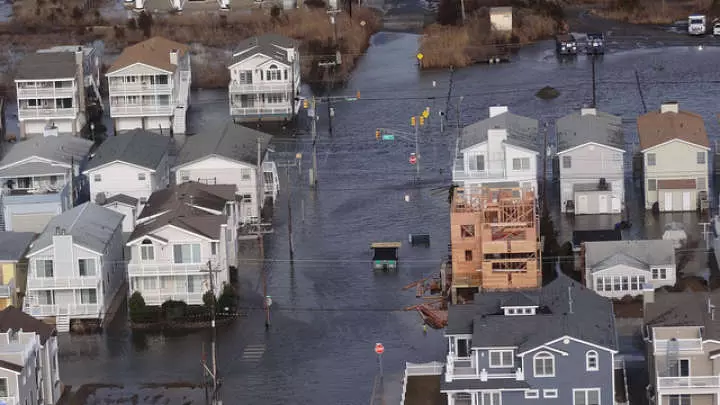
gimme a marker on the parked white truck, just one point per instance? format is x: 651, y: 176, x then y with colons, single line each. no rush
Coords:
x: 697, y: 24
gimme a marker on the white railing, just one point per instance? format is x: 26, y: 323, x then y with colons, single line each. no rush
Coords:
x: 157, y: 297
x: 118, y: 88
x: 70, y: 310
x: 43, y: 283
x: 459, y: 369
x: 141, y: 109
x: 9, y: 400
x: 461, y: 174
x: 619, y: 364
x: 683, y: 345
x: 169, y: 269
x: 260, y: 110
x: 30, y: 112
x: 46, y: 92
x: 689, y: 382
x: 265, y: 87
x: 433, y: 368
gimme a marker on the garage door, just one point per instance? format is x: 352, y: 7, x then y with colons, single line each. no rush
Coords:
x: 582, y: 205
x: 30, y: 222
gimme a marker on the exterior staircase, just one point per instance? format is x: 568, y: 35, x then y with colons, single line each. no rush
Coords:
x: 2, y: 214
x: 62, y: 323
x: 183, y: 103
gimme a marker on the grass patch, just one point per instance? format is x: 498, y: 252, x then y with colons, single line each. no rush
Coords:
x: 653, y: 12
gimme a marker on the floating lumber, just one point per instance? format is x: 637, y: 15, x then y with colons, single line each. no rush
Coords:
x: 386, y: 245
x: 414, y: 284
x: 420, y: 290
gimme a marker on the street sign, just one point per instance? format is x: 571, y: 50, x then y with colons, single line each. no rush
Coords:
x: 413, y: 159
x: 350, y: 98
x: 420, y: 56
x: 379, y: 348
x: 268, y: 301
x: 426, y: 113
x: 388, y: 137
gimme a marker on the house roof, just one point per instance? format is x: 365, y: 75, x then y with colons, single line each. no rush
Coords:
x: 154, y: 52
x: 676, y: 184
x: 655, y: 128
x: 60, y: 149
x: 522, y: 131
x: 424, y: 390
x: 6, y: 365
x: 579, y: 129
x: 121, y: 198
x: 686, y: 308
x: 595, y: 235
x: 636, y: 253
x: 12, y: 318
x: 46, y: 65
x: 271, y: 45
x: 137, y: 147
x: 591, y: 318
x: 90, y: 225
x: 13, y: 245
x: 229, y: 140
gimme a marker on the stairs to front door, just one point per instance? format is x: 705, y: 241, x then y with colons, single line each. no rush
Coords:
x: 62, y: 323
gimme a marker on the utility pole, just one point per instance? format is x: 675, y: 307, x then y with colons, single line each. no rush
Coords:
x: 213, y: 372
x: 706, y: 234
x: 290, y: 238
x: 544, y: 163
x: 462, y: 10
x: 259, y: 175
x: 594, y: 104
x: 417, y: 148
x: 330, y: 65
x: 313, y: 178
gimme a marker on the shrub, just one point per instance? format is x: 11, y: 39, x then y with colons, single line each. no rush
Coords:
x: 209, y: 300
x: 137, y: 307
x: 173, y: 310
x: 228, y: 299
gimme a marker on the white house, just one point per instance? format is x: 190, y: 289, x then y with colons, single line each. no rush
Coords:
x: 149, y: 86
x: 499, y: 149
x: 264, y: 79
x: 180, y: 231
x: 29, y: 372
x: 130, y: 166
x: 76, y: 266
x: 40, y: 180
x: 615, y: 269
x: 229, y: 154
x: 590, y: 160
x: 675, y: 149
x: 501, y: 18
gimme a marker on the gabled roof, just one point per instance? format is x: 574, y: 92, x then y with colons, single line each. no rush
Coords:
x: 522, y: 131
x: 137, y: 147
x: 59, y: 149
x: 153, y: 52
x: 271, y: 45
x: 122, y: 199
x: 579, y: 129
x: 12, y: 318
x: 229, y: 140
x: 591, y: 318
x: 686, y: 308
x: 90, y: 225
x: 655, y: 128
x: 13, y: 245
x: 636, y: 253
x: 46, y: 65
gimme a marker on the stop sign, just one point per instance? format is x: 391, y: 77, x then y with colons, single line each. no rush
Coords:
x: 379, y: 348
x: 413, y: 159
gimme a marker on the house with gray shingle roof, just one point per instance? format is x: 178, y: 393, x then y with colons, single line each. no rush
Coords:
x: 76, y: 266
x: 502, y: 148
x: 13, y: 246
x: 264, y: 79
x: 615, y: 269
x: 591, y: 167
x: 126, y: 169
x: 554, y: 344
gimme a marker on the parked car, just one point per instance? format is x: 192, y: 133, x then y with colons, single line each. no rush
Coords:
x: 697, y: 24
x: 565, y: 44
x: 596, y: 43
x: 716, y: 28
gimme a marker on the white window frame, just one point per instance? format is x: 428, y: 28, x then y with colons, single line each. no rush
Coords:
x: 701, y: 158
x: 592, y: 356
x: 184, y: 176
x: 567, y: 162
x: 44, y: 268
x: 652, y: 185
x: 89, y: 290
x: 545, y: 356
x: 501, y: 354
x: 97, y: 178
x: 92, y: 262
x: 146, y: 248
x: 245, y: 173
x: 700, y: 183
x: 550, y: 393
x: 651, y: 159
x: 587, y: 391
x: 193, y: 259
x: 141, y: 176
x: 532, y: 394
x: 523, y: 164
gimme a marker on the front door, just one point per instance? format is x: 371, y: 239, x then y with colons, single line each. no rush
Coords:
x: 582, y: 207
x: 616, y: 204
x: 602, y: 203
x: 686, y: 201
x: 668, y: 201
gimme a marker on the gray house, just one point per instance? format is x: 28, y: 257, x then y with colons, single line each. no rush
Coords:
x: 554, y: 345
x: 590, y: 160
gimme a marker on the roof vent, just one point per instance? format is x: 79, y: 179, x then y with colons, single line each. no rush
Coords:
x: 670, y: 106
x: 588, y: 111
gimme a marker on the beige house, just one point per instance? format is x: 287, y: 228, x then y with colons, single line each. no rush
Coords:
x: 682, y: 335
x: 501, y: 18
x: 675, y: 149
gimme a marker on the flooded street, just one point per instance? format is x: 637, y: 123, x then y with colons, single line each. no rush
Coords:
x: 329, y: 307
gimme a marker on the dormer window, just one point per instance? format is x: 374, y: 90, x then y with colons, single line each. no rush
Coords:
x: 514, y: 311
x: 273, y: 73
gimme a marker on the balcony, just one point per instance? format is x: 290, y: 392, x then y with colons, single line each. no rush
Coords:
x: 141, y: 110
x: 459, y: 369
x: 688, y: 385
x: 170, y: 269
x: 46, y: 113
x: 73, y: 310
x: 263, y: 87
x: 283, y: 109
x: 117, y: 89
x: 459, y: 174
x: 158, y: 297
x: 41, y: 92
x: 48, y: 283
x: 683, y: 346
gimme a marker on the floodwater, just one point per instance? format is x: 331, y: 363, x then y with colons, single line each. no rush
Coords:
x: 329, y: 309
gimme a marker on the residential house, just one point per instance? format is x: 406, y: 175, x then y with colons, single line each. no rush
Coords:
x: 264, y: 79
x: 228, y: 154
x: 553, y: 345
x: 76, y: 266
x: 29, y: 372
x: 591, y: 165
x: 126, y: 170
x: 40, y: 179
x: 182, y: 232
x: 675, y: 147
x: 682, y: 337
x: 579, y: 238
x: 13, y: 246
x: 149, y: 86
x: 501, y: 19
x: 620, y: 268
x: 499, y: 149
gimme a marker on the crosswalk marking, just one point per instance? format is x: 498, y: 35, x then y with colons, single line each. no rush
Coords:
x: 253, y: 352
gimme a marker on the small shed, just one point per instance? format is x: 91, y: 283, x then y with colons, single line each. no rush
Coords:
x: 675, y: 232
x: 385, y: 255
x: 501, y: 19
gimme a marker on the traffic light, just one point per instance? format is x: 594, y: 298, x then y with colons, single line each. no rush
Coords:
x: 412, y: 121
x: 306, y: 104
x: 377, y: 134
x: 422, y: 120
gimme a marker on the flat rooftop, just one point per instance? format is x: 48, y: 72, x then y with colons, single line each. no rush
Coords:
x: 424, y: 390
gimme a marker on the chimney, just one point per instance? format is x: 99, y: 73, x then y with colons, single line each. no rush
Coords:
x: 174, y: 57
x: 670, y: 106
x: 588, y: 111
x: 497, y: 110
x: 57, y: 230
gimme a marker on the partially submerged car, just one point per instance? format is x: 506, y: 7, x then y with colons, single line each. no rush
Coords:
x: 566, y: 44
x: 596, y: 43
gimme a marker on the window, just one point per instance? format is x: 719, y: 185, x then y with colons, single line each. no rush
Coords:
x: 544, y: 364
x: 634, y: 283
x: 663, y: 274
x: 53, y: 180
x: 591, y: 361
x: 680, y: 368
x: 659, y: 274
x: 147, y: 250
x: 245, y: 174
x: 141, y: 176
x: 44, y: 268
x: 567, y: 162
x: 274, y: 98
x: 652, y: 185
x: 701, y: 158
x: 188, y: 253
x: 651, y: 159
x: 700, y: 183
x: 599, y: 284
x: 245, y: 76
x: 608, y: 284
x: 489, y: 398
x: 161, y: 79
x: 150, y: 283
x: 184, y: 176
x: 88, y: 296
x: 4, y: 387
x: 679, y: 400
x: 616, y: 283
x: 501, y: 358
x: 463, y: 348
x: 46, y: 297
x: 468, y: 255
x: 551, y: 393
x: 532, y: 394
x: 97, y: 177
x: 625, y: 283
x: 273, y: 73
x: 86, y: 267
x: 477, y: 162
x: 467, y: 231
x: 521, y: 164
x: 641, y: 281
x: 213, y: 248
x: 589, y: 396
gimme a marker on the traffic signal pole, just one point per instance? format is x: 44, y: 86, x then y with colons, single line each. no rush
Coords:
x: 313, y: 180
x: 417, y: 152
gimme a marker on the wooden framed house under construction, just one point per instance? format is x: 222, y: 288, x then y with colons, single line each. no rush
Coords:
x: 495, y: 240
